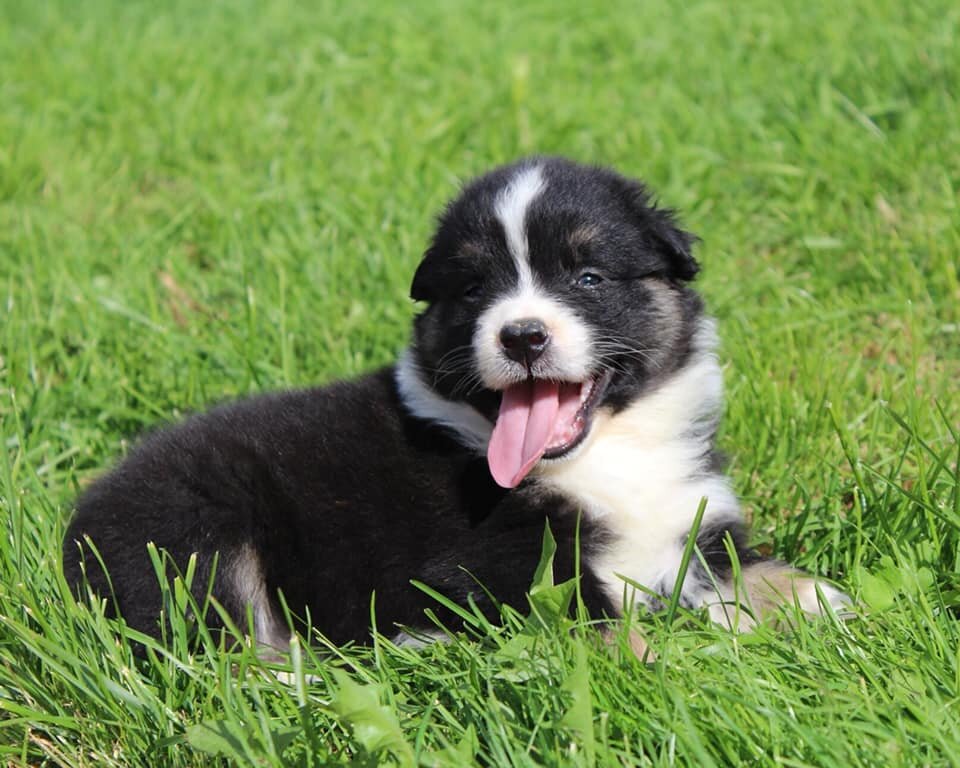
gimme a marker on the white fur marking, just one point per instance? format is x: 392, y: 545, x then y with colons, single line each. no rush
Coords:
x: 424, y: 403
x: 290, y: 679
x: 248, y: 582
x: 511, y: 209
x: 642, y: 473
x: 421, y: 639
x: 569, y: 356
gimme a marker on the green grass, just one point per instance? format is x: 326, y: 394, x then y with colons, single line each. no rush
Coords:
x: 204, y: 200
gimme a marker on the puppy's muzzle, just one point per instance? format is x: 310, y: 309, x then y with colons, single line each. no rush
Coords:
x: 524, y: 341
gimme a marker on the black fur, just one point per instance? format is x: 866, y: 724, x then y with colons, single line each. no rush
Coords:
x: 712, y: 543
x: 341, y: 493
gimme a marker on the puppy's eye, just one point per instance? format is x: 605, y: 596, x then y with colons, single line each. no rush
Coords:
x: 589, y: 280
x: 472, y: 292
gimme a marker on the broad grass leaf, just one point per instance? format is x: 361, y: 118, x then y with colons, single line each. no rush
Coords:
x: 375, y: 726
x: 579, y: 717
x: 523, y: 657
x: 462, y: 754
x: 219, y: 737
x: 543, y: 575
x: 877, y: 593
x: 231, y: 740
x: 550, y: 603
x: 551, y: 606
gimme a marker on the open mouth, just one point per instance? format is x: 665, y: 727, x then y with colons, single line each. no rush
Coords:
x: 540, y: 418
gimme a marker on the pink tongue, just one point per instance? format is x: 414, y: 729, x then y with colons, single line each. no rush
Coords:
x: 528, y: 413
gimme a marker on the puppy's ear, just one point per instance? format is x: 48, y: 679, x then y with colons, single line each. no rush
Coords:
x: 424, y: 285
x: 677, y: 243
x: 660, y: 225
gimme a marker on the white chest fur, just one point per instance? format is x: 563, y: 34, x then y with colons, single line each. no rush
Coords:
x: 643, y: 472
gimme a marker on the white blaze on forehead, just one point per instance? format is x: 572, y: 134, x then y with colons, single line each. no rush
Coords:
x: 568, y: 358
x: 511, y: 210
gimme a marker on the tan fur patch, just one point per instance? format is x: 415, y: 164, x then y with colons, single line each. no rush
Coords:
x: 469, y: 251
x: 583, y: 235
x: 770, y: 585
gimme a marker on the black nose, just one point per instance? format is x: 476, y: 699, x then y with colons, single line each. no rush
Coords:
x: 524, y: 340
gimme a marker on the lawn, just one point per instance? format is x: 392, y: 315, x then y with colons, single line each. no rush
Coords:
x: 203, y: 200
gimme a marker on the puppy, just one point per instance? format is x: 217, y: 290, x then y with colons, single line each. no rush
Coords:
x: 562, y: 370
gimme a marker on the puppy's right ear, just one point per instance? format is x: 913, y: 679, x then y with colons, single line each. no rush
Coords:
x: 424, y: 285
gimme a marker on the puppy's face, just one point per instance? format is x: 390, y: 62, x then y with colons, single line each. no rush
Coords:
x: 553, y: 290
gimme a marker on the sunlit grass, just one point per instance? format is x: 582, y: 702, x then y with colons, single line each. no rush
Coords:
x: 204, y: 200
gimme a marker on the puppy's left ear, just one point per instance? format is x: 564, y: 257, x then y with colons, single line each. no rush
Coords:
x: 677, y: 243
x: 660, y: 225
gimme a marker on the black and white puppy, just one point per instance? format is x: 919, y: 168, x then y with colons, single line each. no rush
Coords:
x: 562, y: 370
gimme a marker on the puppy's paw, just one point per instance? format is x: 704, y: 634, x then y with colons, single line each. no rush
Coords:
x: 814, y: 595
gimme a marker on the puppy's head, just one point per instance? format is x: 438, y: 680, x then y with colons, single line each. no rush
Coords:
x: 553, y: 290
